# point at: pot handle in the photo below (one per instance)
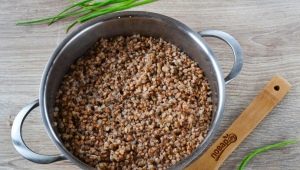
(19, 144)
(236, 49)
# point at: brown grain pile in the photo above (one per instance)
(133, 102)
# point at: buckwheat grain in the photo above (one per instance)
(133, 103)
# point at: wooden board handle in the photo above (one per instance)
(261, 105)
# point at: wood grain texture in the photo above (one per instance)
(247, 121)
(268, 31)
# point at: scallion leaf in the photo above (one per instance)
(84, 10)
(255, 152)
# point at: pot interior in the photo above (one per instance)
(129, 23)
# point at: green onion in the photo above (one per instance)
(84, 10)
(255, 152)
(69, 8)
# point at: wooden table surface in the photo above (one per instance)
(268, 31)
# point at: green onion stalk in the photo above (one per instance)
(263, 149)
(84, 10)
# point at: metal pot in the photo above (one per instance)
(126, 23)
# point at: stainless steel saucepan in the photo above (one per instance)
(126, 23)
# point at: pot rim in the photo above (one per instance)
(81, 29)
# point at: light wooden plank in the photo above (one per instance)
(268, 30)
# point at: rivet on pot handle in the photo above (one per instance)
(20, 146)
(236, 49)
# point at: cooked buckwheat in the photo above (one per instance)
(133, 103)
